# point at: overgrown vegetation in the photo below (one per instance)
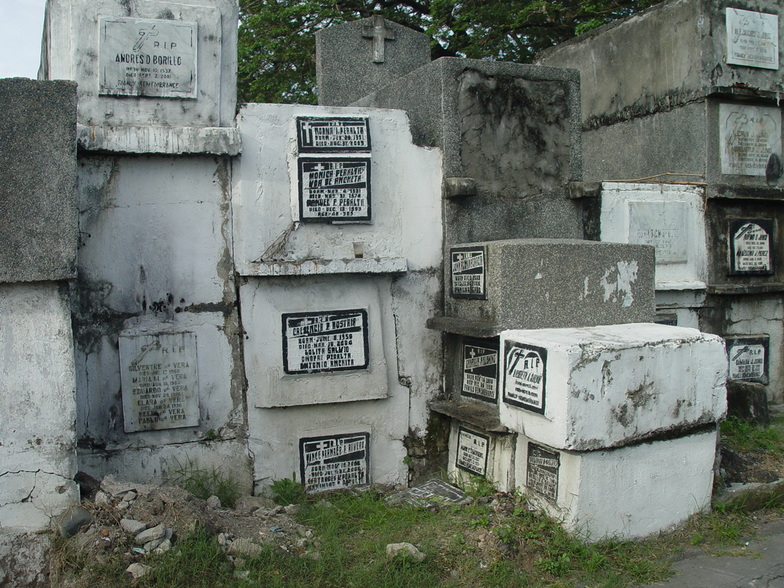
(740, 435)
(203, 483)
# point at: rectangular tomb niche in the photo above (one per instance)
(467, 272)
(749, 136)
(663, 225)
(480, 369)
(752, 38)
(751, 246)
(748, 358)
(334, 462)
(472, 451)
(144, 57)
(334, 189)
(542, 469)
(332, 134)
(325, 341)
(525, 367)
(160, 381)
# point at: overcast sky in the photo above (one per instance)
(21, 26)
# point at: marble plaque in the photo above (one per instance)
(663, 225)
(333, 134)
(480, 369)
(325, 341)
(542, 470)
(751, 246)
(160, 381)
(748, 358)
(749, 136)
(472, 451)
(752, 38)
(334, 462)
(431, 493)
(141, 57)
(334, 189)
(524, 376)
(468, 272)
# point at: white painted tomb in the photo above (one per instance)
(473, 452)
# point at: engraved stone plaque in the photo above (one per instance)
(480, 369)
(142, 57)
(472, 450)
(468, 272)
(326, 341)
(542, 471)
(160, 383)
(751, 250)
(334, 462)
(317, 135)
(748, 357)
(524, 376)
(334, 189)
(663, 225)
(749, 136)
(752, 38)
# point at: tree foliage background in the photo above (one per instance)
(277, 54)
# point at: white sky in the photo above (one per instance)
(21, 27)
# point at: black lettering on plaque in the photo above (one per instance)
(334, 189)
(326, 341)
(480, 369)
(472, 451)
(751, 246)
(748, 358)
(525, 367)
(467, 269)
(330, 135)
(542, 471)
(334, 462)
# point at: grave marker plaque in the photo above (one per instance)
(142, 57)
(334, 189)
(542, 471)
(480, 369)
(748, 357)
(468, 272)
(748, 136)
(160, 384)
(472, 450)
(334, 462)
(325, 341)
(751, 250)
(524, 376)
(752, 38)
(318, 135)
(661, 224)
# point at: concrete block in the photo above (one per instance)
(38, 235)
(550, 283)
(622, 493)
(601, 387)
(473, 452)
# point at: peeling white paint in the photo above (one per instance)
(618, 283)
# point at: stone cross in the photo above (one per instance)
(379, 32)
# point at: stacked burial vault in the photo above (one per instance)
(285, 292)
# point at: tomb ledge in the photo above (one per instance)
(459, 326)
(738, 192)
(733, 289)
(479, 415)
(743, 91)
(159, 139)
(307, 267)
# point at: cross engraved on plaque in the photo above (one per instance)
(379, 32)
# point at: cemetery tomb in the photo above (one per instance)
(473, 452)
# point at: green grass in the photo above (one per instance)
(203, 483)
(743, 436)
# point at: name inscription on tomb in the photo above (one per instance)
(334, 189)
(748, 359)
(334, 462)
(661, 224)
(326, 341)
(752, 38)
(142, 57)
(316, 135)
(468, 272)
(472, 450)
(524, 376)
(480, 369)
(749, 136)
(542, 471)
(160, 384)
(751, 246)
